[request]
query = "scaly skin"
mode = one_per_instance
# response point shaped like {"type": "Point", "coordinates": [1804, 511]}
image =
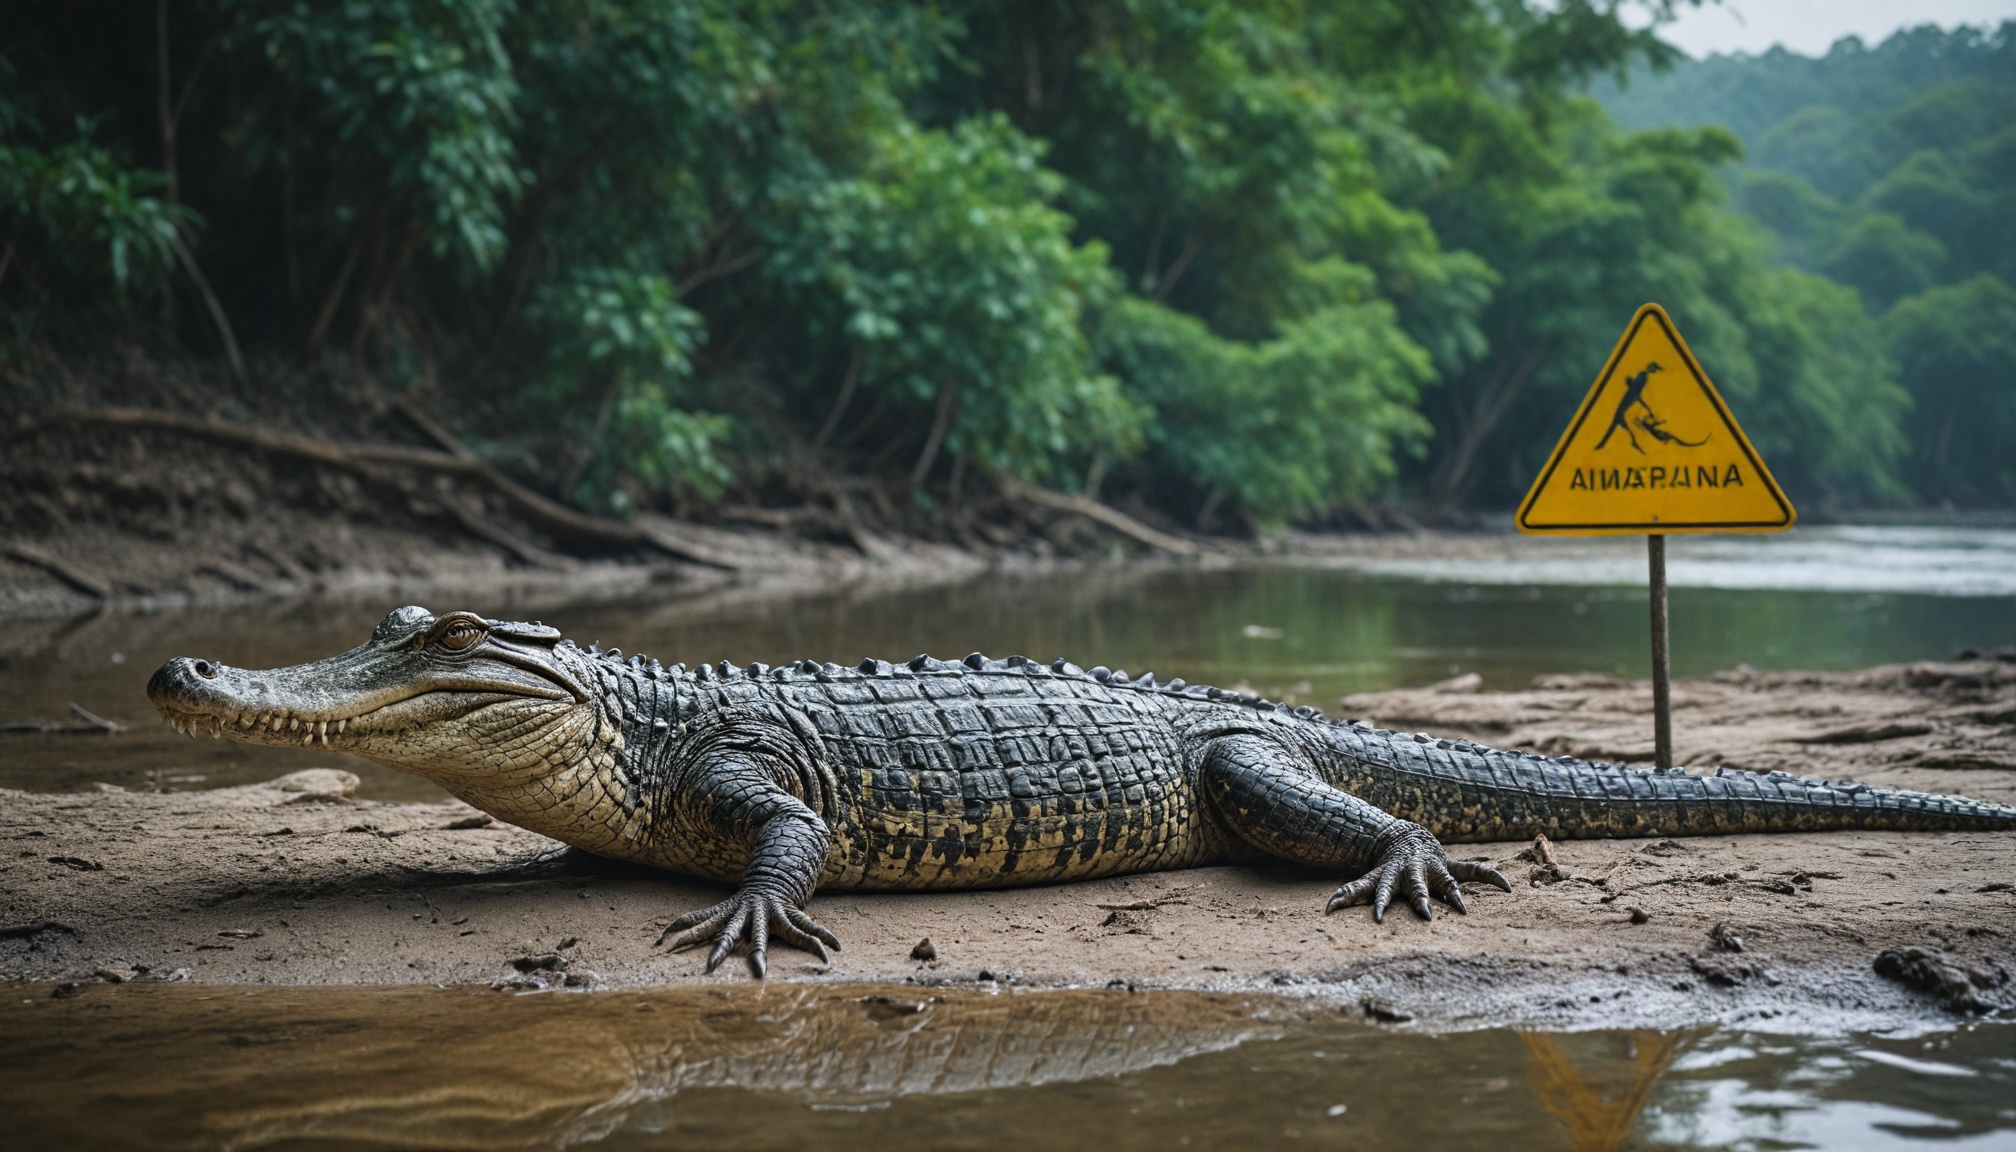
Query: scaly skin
{"type": "Point", "coordinates": [979, 774]}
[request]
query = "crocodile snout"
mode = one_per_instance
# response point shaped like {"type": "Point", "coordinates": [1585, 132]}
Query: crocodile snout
{"type": "Point", "coordinates": [187, 684]}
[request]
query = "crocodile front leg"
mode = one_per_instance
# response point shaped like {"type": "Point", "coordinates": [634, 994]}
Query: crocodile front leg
{"type": "Point", "coordinates": [1276, 802]}
{"type": "Point", "coordinates": [739, 808]}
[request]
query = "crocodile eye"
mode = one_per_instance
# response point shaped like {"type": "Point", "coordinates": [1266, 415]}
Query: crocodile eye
{"type": "Point", "coordinates": [460, 637]}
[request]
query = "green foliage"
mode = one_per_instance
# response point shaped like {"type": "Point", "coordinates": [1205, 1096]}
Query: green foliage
{"type": "Point", "coordinates": [945, 266]}
{"type": "Point", "coordinates": [1282, 427]}
{"type": "Point", "coordinates": [79, 224]}
{"type": "Point", "coordinates": [1891, 170]}
{"type": "Point", "coordinates": [1956, 346]}
{"type": "Point", "coordinates": [1258, 257]}
{"type": "Point", "coordinates": [420, 91]}
{"type": "Point", "coordinates": [1585, 221]}
{"type": "Point", "coordinates": [1816, 390]}
{"type": "Point", "coordinates": [619, 351]}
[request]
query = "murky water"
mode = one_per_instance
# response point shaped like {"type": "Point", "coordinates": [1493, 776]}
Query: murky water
{"type": "Point", "coordinates": [179, 1066]}
{"type": "Point", "coordinates": [1304, 634]}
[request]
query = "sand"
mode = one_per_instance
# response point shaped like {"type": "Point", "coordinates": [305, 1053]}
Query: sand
{"type": "Point", "coordinates": [297, 882]}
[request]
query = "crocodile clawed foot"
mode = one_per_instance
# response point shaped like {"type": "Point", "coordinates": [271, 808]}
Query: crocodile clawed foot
{"type": "Point", "coordinates": [1412, 862]}
{"type": "Point", "coordinates": [745, 922]}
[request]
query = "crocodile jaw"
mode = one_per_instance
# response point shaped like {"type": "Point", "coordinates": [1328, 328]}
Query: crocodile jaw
{"type": "Point", "coordinates": [403, 699]}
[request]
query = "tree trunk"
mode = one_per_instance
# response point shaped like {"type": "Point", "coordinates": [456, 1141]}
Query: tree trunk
{"type": "Point", "coordinates": [326, 316]}
{"type": "Point", "coordinates": [840, 402]}
{"type": "Point", "coordinates": [941, 423]}
{"type": "Point", "coordinates": [1452, 477]}
{"type": "Point", "coordinates": [211, 303]}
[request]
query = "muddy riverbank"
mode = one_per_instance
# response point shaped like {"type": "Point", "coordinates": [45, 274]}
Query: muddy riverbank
{"type": "Point", "coordinates": [298, 882]}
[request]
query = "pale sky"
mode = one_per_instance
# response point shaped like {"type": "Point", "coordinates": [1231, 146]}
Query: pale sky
{"type": "Point", "coordinates": [1809, 27]}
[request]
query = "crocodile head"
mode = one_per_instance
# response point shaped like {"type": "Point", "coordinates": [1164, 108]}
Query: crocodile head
{"type": "Point", "coordinates": [453, 697]}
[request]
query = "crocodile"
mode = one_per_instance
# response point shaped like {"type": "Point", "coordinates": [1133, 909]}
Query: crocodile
{"type": "Point", "coordinates": [974, 773]}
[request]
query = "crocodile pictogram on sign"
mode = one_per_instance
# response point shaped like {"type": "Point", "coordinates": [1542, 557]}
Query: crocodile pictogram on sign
{"type": "Point", "coordinates": [1653, 449]}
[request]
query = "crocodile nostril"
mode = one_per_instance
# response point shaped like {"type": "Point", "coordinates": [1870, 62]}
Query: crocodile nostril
{"type": "Point", "coordinates": [206, 670]}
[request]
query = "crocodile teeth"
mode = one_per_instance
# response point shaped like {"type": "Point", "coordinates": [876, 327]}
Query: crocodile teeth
{"type": "Point", "coordinates": [293, 724]}
{"type": "Point", "coordinates": [322, 729]}
{"type": "Point", "coordinates": [341, 725]}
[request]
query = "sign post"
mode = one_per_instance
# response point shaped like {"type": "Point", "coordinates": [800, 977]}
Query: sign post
{"type": "Point", "coordinates": [1654, 450]}
{"type": "Point", "coordinates": [1662, 656]}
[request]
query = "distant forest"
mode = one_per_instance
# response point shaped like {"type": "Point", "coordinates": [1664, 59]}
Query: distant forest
{"type": "Point", "coordinates": [1229, 264]}
{"type": "Point", "coordinates": [1892, 170]}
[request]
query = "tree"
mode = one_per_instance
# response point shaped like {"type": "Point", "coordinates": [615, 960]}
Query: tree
{"type": "Point", "coordinates": [1956, 348]}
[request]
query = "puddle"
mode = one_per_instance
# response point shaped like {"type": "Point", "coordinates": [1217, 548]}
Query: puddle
{"type": "Point", "coordinates": [809, 1066]}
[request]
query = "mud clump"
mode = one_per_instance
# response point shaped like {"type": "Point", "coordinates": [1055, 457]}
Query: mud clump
{"type": "Point", "coordinates": [1958, 986]}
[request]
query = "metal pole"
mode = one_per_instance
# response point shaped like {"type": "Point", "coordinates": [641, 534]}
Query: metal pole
{"type": "Point", "coordinates": [1662, 664]}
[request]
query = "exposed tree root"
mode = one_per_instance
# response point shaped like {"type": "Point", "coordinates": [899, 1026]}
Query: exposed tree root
{"type": "Point", "coordinates": [547, 514]}
{"type": "Point", "coordinates": [1093, 510]}
{"type": "Point", "coordinates": [68, 573]}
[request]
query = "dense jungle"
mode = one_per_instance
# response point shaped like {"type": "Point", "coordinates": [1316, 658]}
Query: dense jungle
{"type": "Point", "coordinates": [1226, 265]}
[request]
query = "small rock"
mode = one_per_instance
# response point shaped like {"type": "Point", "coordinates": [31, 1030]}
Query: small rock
{"type": "Point", "coordinates": [1998, 886]}
{"type": "Point", "coordinates": [569, 942]}
{"type": "Point", "coordinates": [578, 979]}
{"type": "Point", "coordinates": [1540, 852]}
{"type": "Point", "coordinates": [924, 952]}
{"type": "Point", "coordinates": [1385, 1012]}
{"type": "Point", "coordinates": [548, 962]}
{"type": "Point", "coordinates": [1640, 916]}
{"type": "Point", "coordinates": [115, 975]}
{"type": "Point", "coordinates": [1725, 938]}
{"type": "Point", "coordinates": [77, 862]}
{"type": "Point", "coordinates": [480, 820]}
{"type": "Point", "coordinates": [1546, 874]}
{"type": "Point", "coordinates": [985, 977]}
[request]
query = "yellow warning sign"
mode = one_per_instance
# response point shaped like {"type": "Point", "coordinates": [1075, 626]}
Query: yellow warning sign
{"type": "Point", "coordinates": [1653, 450]}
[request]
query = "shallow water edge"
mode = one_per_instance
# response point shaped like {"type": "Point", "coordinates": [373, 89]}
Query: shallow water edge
{"type": "Point", "coordinates": [181, 1066]}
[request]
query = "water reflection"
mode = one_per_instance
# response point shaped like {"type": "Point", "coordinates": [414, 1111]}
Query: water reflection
{"type": "Point", "coordinates": [1598, 1097]}
{"type": "Point", "coordinates": [798, 1066]}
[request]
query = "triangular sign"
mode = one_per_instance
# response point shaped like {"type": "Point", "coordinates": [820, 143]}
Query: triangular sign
{"type": "Point", "coordinates": [1653, 450]}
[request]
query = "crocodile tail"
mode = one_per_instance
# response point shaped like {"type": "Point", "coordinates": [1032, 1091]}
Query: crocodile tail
{"type": "Point", "coordinates": [1464, 792]}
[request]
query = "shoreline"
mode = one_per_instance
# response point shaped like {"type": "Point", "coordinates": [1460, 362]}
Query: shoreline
{"type": "Point", "coordinates": [126, 574]}
{"type": "Point", "coordinates": [296, 882]}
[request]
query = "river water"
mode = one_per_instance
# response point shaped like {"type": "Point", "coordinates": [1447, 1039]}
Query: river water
{"type": "Point", "coordinates": [175, 1066]}
{"type": "Point", "coordinates": [1506, 608]}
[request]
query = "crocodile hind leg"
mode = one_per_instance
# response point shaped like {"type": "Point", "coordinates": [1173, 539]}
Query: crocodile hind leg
{"type": "Point", "coordinates": [1268, 794]}
{"type": "Point", "coordinates": [745, 815]}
